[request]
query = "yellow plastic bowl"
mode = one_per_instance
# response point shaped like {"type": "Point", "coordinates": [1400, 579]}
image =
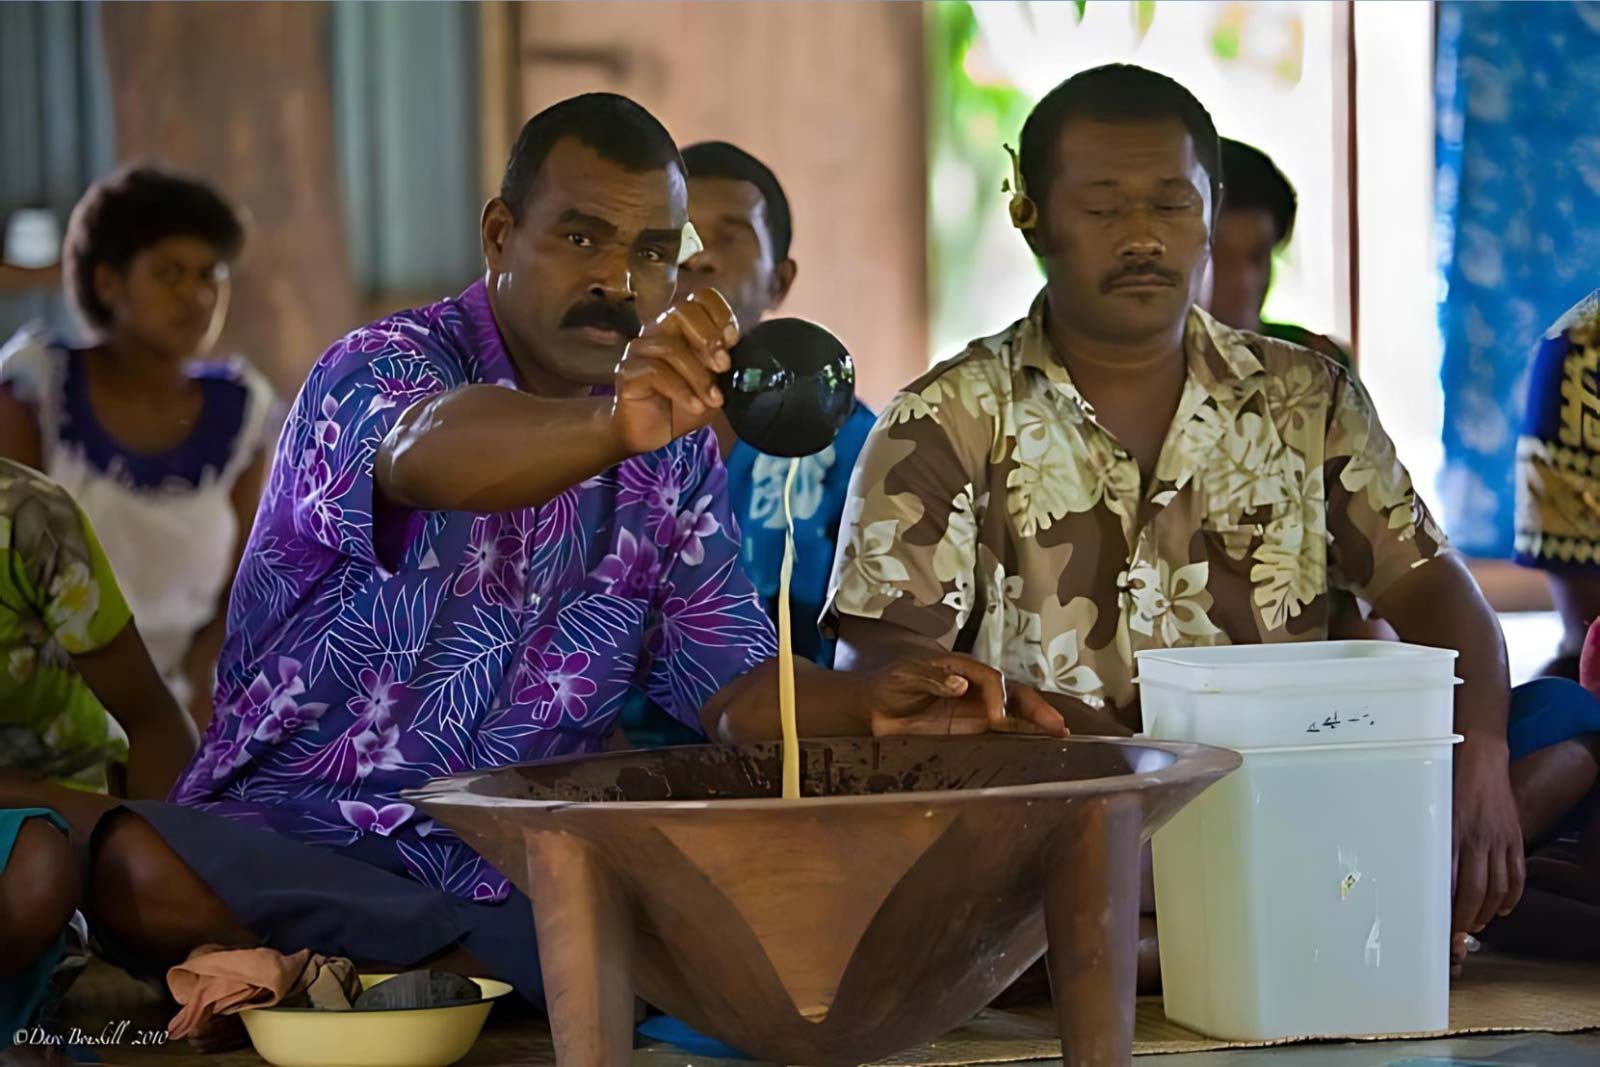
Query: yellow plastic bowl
{"type": "Point", "coordinates": [393, 1037]}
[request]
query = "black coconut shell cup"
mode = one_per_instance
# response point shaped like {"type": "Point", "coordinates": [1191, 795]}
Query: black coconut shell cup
{"type": "Point", "coordinates": [791, 387]}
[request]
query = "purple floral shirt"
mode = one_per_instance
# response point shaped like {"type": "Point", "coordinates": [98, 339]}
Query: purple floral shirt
{"type": "Point", "coordinates": [494, 639]}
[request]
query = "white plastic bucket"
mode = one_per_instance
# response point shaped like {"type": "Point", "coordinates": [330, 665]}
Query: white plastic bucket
{"type": "Point", "coordinates": [1308, 893]}
{"type": "Point", "coordinates": [1261, 696]}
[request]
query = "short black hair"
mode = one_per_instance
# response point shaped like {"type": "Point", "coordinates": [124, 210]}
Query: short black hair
{"type": "Point", "coordinates": [719, 159]}
{"type": "Point", "coordinates": [1254, 181]}
{"type": "Point", "coordinates": [1118, 92]}
{"type": "Point", "coordinates": [619, 129]}
{"type": "Point", "coordinates": [133, 208]}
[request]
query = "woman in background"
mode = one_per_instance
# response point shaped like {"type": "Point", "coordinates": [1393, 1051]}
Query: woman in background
{"type": "Point", "coordinates": [165, 453]}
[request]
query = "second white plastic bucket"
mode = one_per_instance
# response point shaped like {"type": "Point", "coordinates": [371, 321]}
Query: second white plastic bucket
{"type": "Point", "coordinates": [1307, 894]}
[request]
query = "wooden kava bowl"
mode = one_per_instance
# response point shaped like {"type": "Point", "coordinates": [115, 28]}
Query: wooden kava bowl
{"type": "Point", "coordinates": [912, 883]}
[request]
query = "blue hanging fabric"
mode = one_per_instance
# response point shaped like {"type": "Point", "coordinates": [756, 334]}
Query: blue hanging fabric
{"type": "Point", "coordinates": [1518, 223]}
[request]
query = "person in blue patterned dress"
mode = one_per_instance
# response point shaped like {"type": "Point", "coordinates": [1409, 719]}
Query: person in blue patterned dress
{"type": "Point", "coordinates": [743, 219]}
{"type": "Point", "coordinates": [1558, 475]}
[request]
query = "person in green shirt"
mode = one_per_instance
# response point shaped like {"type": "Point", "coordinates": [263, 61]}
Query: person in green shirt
{"type": "Point", "coordinates": [79, 697]}
{"type": "Point", "coordinates": [1256, 220]}
{"type": "Point", "coordinates": [78, 693]}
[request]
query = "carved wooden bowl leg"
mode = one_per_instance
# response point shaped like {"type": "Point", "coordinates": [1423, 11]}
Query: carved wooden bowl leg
{"type": "Point", "coordinates": [1091, 915]}
{"type": "Point", "coordinates": [585, 935]}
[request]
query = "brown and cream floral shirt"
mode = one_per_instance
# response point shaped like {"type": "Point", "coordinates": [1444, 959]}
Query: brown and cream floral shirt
{"type": "Point", "coordinates": [991, 512]}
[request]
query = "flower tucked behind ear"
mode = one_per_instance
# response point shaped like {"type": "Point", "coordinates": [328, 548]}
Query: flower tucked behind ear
{"type": "Point", "coordinates": [1024, 214]}
{"type": "Point", "coordinates": [690, 244]}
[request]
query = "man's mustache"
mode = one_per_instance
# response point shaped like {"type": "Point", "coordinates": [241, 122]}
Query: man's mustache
{"type": "Point", "coordinates": [604, 315]}
{"type": "Point", "coordinates": [1140, 269]}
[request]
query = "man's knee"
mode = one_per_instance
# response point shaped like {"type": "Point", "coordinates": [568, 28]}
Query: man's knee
{"type": "Point", "coordinates": [148, 900]}
{"type": "Point", "coordinates": [38, 894]}
{"type": "Point", "coordinates": [137, 883]}
{"type": "Point", "coordinates": [131, 861]}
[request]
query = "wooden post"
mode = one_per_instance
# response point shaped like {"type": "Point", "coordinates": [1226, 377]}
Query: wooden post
{"type": "Point", "coordinates": [239, 95]}
{"type": "Point", "coordinates": [499, 88]}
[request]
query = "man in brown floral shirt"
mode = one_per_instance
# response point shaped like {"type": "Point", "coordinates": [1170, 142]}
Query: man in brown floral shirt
{"type": "Point", "coordinates": [1118, 471]}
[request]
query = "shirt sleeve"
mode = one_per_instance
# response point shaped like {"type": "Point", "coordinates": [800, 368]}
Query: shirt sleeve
{"type": "Point", "coordinates": [58, 561]}
{"type": "Point", "coordinates": [1558, 453]}
{"type": "Point", "coordinates": [1379, 528]}
{"type": "Point", "coordinates": [707, 625]}
{"type": "Point", "coordinates": [350, 402]}
{"type": "Point", "coordinates": [25, 369]}
{"type": "Point", "coordinates": [908, 540]}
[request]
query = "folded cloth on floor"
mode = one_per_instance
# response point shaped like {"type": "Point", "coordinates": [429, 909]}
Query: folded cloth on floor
{"type": "Point", "coordinates": [220, 981]}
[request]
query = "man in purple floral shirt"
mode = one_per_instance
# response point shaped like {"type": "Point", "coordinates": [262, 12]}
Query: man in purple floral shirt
{"type": "Point", "coordinates": [369, 652]}
{"type": "Point", "coordinates": [488, 521]}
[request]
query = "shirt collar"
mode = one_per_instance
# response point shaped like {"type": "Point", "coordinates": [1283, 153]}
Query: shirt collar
{"type": "Point", "coordinates": [1220, 358]}
{"type": "Point", "coordinates": [494, 363]}
{"type": "Point", "coordinates": [1581, 322]}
